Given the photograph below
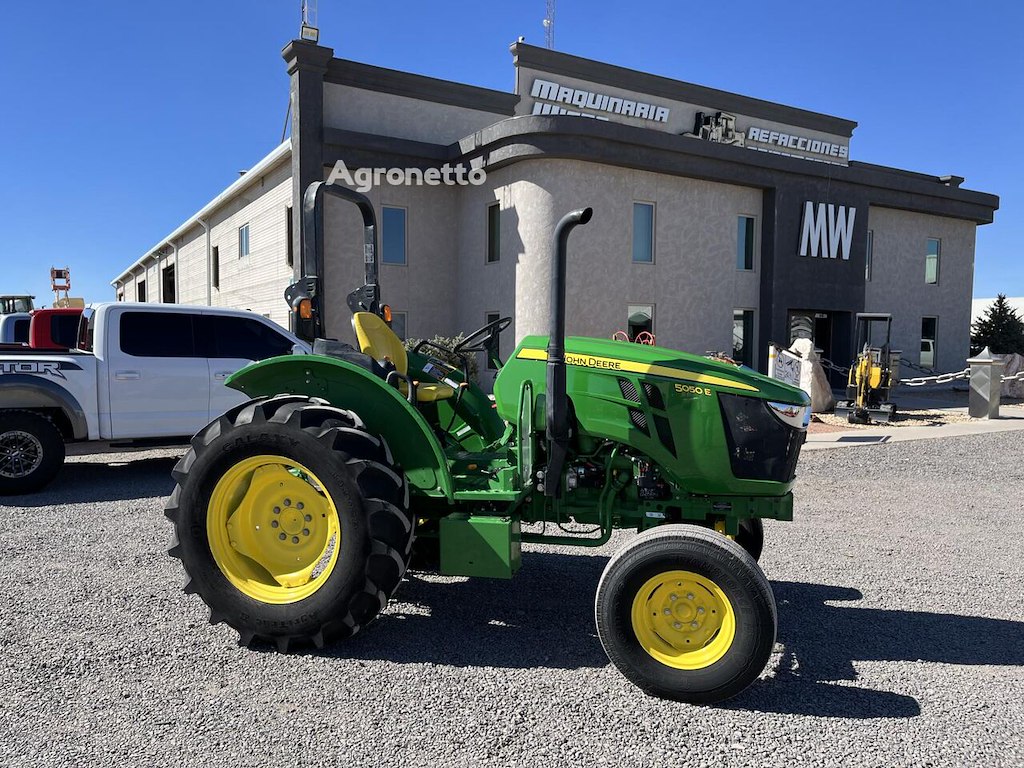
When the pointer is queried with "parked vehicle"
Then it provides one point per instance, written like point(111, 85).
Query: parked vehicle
point(297, 513)
point(14, 328)
point(139, 372)
point(48, 329)
point(16, 302)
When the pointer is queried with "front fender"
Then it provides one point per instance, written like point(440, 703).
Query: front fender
point(380, 406)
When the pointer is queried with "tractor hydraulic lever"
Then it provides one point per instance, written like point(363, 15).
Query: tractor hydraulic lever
point(557, 405)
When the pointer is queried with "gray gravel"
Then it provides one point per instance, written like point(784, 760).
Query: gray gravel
point(901, 640)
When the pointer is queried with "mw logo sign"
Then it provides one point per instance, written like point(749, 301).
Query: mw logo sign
point(827, 231)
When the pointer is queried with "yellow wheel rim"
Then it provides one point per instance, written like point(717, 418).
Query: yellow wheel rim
point(683, 620)
point(273, 530)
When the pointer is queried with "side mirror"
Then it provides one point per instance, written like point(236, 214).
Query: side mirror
point(299, 349)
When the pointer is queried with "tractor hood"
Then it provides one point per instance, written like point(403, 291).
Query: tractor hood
point(609, 356)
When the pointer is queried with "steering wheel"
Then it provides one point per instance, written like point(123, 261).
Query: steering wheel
point(481, 339)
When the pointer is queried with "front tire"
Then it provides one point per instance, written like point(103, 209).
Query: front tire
point(31, 452)
point(686, 614)
point(291, 520)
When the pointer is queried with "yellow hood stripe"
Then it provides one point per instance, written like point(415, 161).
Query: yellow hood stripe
point(629, 366)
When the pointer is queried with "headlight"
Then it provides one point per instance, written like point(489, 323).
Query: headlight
point(796, 416)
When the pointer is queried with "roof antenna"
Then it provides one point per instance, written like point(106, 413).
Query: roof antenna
point(549, 26)
point(309, 30)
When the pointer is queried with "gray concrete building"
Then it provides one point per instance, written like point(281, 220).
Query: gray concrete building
point(721, 222)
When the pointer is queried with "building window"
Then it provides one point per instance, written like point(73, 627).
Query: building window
point(215, 267)
point(743, 336)
point(243, 241)
point(393, 235)
point(140, 291)
point(640, 322)
point(929, 328)
point(288, 250)
point(643, 233)
point(168, 284)
point(399, 323)
point(931, 261)
point(491, 317)
point(493, 232)
point(869, 256)
point(745, 243)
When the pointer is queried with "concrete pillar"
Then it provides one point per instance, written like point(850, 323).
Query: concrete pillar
point(986, 384)
point(307, 65)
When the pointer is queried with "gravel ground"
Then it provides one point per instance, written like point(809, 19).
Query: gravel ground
point(901, 640)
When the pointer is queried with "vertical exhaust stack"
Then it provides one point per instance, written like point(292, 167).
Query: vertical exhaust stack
point(367, 297)
point(557, 401)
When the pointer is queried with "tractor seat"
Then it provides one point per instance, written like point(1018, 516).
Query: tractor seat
point(380, 342)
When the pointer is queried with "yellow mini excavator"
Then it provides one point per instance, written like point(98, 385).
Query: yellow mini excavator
point(873, 374)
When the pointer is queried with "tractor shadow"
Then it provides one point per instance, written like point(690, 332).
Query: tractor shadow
point(80, 482)
point(821, 642)
point(544, 619)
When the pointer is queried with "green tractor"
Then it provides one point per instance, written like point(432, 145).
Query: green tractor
point(298, 513)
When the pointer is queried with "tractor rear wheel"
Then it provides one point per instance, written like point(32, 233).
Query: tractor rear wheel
point(291, 520)
point(686, 614)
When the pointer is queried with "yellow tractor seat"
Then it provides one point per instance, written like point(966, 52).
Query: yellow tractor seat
point(380, 342)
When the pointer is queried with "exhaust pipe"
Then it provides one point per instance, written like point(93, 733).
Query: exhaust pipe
point(311, 266)
point(557, 401)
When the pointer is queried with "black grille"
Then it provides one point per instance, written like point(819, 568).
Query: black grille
point(760, 446)
point(628, 390)
point(665, 433)
point(654, 398)
point(639, 420)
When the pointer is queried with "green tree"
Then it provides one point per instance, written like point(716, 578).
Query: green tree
point(1000, 329)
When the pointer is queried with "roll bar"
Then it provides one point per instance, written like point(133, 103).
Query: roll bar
point(365, 298)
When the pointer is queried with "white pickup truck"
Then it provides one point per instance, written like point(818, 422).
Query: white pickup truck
point(141, 373)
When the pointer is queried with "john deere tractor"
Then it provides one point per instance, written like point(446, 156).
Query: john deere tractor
point(297, 514)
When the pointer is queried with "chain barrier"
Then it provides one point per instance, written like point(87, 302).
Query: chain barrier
point(942, 378)
point(920, 381)
point(826, 363)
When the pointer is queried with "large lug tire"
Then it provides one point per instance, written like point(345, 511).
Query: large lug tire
point(31, 452)
point(686, 614)
point(291, 520)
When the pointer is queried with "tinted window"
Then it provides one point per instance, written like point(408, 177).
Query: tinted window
point(643, 232)
point(745, 243)
point(21, 331)
point(157, 334)
point(244, 338)
point(393, 232)
point(493, 232)
point(64, 329)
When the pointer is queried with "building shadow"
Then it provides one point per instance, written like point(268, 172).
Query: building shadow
point(544, 619)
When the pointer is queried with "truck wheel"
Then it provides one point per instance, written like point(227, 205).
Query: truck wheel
point(686, 614)
point(31, 452)
point(291, 520)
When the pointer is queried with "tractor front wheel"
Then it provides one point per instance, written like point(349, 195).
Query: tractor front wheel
point(686, 614)
point(291, 520)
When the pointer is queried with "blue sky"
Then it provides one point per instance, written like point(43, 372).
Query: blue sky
point(121, 120)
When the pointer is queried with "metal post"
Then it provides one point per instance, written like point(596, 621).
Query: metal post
point(986, 385)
